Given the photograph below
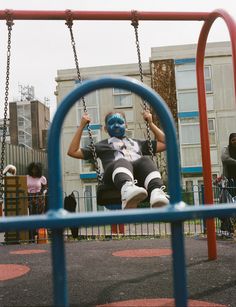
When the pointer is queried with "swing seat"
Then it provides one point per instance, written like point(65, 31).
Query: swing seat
point(107, 194)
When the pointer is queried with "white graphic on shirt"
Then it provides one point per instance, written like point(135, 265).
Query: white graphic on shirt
point(125, 148)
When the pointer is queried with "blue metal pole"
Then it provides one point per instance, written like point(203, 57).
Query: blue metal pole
point(179, 269)
point(59, 269)
point(55, 178)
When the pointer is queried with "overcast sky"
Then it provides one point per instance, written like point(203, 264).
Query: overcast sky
point(40, 48)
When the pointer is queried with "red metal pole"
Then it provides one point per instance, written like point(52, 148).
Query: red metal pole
point(100, 15)
point(118, 229)
point(205, 146)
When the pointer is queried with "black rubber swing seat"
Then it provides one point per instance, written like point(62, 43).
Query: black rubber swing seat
point(107, 194)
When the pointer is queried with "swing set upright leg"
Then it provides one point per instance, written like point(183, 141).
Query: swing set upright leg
point(179, 268)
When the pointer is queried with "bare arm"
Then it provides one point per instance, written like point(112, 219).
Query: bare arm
point(158, 133)
point(74, 148)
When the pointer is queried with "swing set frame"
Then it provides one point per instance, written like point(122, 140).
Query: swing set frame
point(208, 18)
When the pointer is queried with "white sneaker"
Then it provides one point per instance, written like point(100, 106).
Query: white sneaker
point(132, 195)
point(158, 198)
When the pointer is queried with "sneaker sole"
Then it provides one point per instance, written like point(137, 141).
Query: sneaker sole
point(135, 200)
point(159, 204)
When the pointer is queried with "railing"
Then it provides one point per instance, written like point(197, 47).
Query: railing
point(194, 228)
point(21, 157)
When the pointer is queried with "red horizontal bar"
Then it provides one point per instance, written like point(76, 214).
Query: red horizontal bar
point(100, 15)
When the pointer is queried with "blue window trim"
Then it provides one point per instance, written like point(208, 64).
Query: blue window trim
point(94, 127)
point(185, 61)
point(88, 176)
point(188, 114)
point(194, 169)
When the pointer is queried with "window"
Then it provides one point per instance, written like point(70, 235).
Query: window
point(190, 131)
point(211, 128)
point(88, 200)
point(92, 106)
point(211, 125)
point(191, 156)
point(187, 101)
point(122, 98)
point(186, 77)
point(87, 166)
point(208, 81)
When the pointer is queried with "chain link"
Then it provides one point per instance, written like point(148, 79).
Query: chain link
point(69, 23)
point(135, 24)
point(9, 24)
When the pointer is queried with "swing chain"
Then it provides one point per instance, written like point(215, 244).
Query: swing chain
point(69, 23)
point(9, 23)
point(135, 24)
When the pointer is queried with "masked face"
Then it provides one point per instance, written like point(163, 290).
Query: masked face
point(116, 125)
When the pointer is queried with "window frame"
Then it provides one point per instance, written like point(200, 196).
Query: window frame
point(181, 68)
point(196, 123)
point(96, 107)
point(122, 93)
point(208, 78)
point(188, 91)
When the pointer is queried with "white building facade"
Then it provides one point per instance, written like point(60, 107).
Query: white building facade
point(79, 175)
point(220, 105)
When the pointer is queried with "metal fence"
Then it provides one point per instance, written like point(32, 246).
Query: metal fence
point(158, 229)
point(21, 156)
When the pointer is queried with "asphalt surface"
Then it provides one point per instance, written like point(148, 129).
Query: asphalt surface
point(97, 277)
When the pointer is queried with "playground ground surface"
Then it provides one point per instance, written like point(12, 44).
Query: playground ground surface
point(118, 273)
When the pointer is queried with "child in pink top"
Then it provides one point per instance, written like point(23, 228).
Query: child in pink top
point(36, 185)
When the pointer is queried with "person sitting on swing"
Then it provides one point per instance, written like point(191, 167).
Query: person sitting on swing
point(125, 161)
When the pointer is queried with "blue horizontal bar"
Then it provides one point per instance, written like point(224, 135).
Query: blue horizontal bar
point(185, 61)
point(194, 169)
point(188, 114)
point(60, 218)
point(88, 176)
point(94, 127)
